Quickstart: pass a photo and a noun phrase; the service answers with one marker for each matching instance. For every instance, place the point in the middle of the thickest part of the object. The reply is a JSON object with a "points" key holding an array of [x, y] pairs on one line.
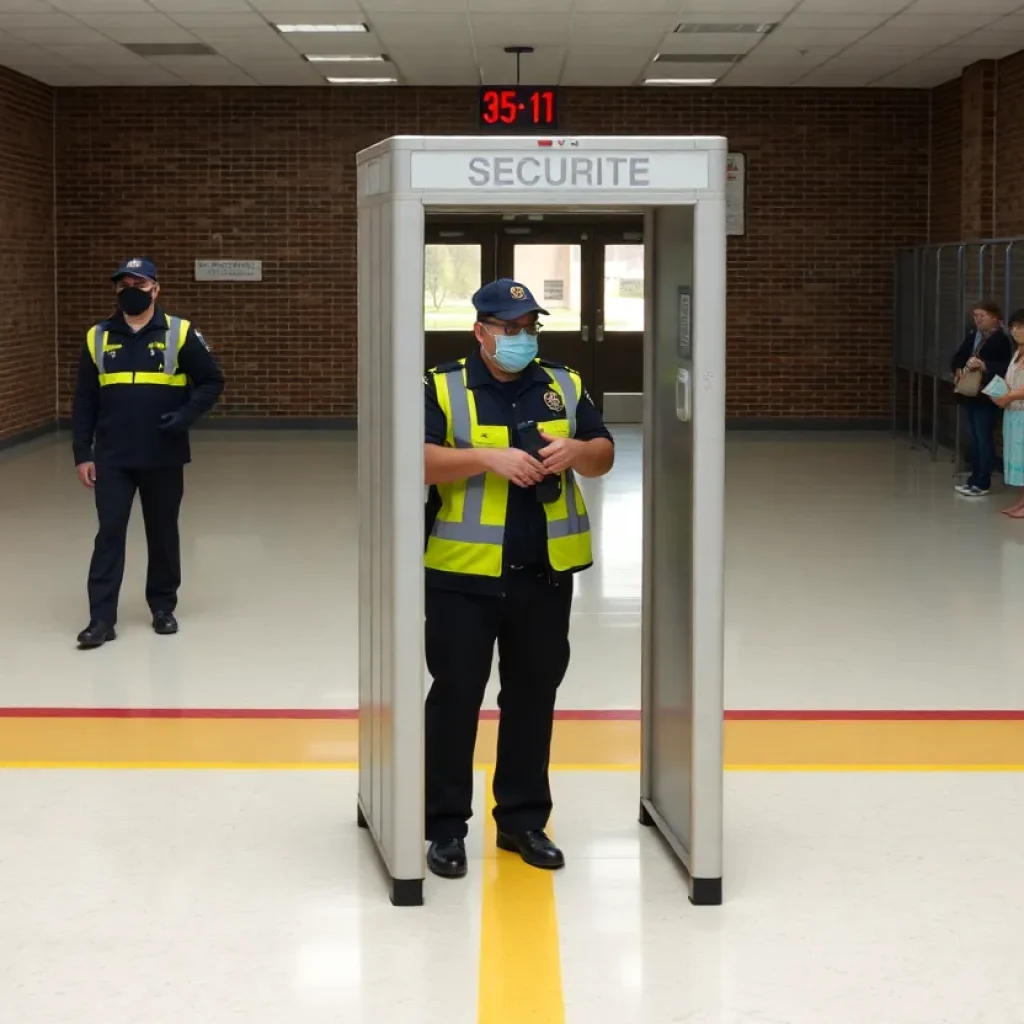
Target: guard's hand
{"points": [[87, 473], [516, 465], [173, 423], [974, 363], [560, 454]]}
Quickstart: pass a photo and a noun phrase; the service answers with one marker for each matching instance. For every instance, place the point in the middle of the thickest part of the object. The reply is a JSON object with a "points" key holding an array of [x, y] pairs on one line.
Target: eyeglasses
{"points": [[513, 328]]}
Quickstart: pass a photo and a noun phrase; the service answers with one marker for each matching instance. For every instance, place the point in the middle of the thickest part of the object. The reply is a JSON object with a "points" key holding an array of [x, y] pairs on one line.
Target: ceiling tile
{"points": [[512, 30], [780, 56], [860, 6], [937, 29], [438, 76], [11, 21], [138, 28], [422, 29], [980, 7], [25, 6], [301, 12], [199, 6], [737, 11], [521, 6], [911, 77], [279, 73], [637, 6], [372, 7], [768, 76], [710, 42], [77, 7], [820, 19], [266, 44], [606, 75], [227, 20], [610, 29], [802, 38], [838, 78]]}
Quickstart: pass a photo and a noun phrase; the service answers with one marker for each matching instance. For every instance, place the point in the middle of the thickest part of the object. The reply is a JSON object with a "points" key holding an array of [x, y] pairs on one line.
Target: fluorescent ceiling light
{"points": [[748, 28], [322, 28], [363, 81], [348, 58], [680, 81]]}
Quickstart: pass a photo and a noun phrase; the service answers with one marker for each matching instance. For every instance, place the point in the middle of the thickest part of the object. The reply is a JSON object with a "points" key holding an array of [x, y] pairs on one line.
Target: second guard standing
{"points": [[144, 377], [506, 436]]}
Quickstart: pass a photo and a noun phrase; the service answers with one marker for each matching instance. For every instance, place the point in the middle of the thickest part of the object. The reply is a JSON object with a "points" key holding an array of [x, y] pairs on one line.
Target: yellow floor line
{"points": [[520, 959], [351, 766]]}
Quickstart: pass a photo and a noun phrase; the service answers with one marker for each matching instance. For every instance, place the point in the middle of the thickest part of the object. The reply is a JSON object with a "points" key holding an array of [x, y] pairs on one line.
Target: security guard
{"points": [[144, 377], [506, 436]]}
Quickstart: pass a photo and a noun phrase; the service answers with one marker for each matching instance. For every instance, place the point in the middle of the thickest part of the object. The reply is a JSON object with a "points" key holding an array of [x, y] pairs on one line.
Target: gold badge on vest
{"points": [[553, 400]]}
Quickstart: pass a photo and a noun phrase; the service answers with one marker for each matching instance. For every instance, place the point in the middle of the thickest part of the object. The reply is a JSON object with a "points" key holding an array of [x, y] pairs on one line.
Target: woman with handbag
{"points": [[1012, 404], [984, 354]]}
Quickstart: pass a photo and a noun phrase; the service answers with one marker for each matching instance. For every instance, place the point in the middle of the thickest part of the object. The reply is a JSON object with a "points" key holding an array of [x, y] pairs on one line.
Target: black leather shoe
{"points": [[96, 634], [447, 858], [164, 623], [534, 847]]}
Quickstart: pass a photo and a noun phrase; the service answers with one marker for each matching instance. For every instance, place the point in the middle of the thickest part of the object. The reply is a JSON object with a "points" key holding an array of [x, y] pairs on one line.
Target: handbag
{"points": [[969, 383]]}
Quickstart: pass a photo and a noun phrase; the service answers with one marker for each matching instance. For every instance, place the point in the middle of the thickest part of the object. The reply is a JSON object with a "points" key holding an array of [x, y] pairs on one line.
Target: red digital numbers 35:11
{"points": [[512, 107]]}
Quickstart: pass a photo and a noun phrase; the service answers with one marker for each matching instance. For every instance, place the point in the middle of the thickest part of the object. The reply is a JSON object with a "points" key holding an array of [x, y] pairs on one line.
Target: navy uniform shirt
{"points": [[506, 404], [119, 425]]}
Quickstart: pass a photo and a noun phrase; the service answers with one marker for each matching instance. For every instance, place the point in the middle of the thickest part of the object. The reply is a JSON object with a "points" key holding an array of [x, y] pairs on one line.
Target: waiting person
{"points": [[984, 354], [1012, 404]]}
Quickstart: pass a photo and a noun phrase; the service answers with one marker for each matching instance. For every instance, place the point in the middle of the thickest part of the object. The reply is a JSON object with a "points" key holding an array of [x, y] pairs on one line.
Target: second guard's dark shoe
{"points": [[164, 623], [447, 858], [534, 847], [96, 634]]}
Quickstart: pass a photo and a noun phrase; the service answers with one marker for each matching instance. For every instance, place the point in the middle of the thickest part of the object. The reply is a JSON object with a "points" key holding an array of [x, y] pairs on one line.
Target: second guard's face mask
{"points": [[515, 352], [134, 301]]}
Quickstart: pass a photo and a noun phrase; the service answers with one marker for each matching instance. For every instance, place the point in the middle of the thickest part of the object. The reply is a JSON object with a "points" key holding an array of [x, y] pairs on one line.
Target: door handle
{"points": [[600, 334], [683, 410], [585, 333]]}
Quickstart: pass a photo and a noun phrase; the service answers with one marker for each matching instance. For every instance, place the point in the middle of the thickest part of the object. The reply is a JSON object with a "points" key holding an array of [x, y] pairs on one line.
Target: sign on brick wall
{"points": [[229, 270], [735, 194]]}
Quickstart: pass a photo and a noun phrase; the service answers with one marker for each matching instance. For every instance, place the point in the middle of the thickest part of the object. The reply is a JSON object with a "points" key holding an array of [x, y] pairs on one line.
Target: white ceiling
{"points": [[896, 43]]}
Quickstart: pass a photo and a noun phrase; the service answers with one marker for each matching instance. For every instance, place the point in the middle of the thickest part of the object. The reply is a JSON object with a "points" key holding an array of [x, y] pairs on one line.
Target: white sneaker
{"points": [[970, 491]]}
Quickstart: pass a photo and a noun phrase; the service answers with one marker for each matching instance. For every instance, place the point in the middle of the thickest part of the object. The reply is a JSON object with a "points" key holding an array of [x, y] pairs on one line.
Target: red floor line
{"points": [[579, 715]]}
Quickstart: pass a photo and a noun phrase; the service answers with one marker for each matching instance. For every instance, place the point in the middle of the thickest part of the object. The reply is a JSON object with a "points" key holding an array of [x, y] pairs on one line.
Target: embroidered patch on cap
{"points": [[516, 292]]}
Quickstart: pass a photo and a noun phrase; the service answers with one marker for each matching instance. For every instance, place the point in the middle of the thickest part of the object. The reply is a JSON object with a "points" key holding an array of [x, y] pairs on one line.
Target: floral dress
{"points": [[1013, 427]]}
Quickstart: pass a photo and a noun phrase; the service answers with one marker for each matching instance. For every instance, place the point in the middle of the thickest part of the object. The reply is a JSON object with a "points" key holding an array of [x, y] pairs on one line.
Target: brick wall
{"points": [[27, 362], [946, 155], [1009, 147], [836, 180]]}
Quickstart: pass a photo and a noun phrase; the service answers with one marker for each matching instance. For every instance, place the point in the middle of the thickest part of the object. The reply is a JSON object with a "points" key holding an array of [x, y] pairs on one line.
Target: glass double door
{"points": [[588, 275]]}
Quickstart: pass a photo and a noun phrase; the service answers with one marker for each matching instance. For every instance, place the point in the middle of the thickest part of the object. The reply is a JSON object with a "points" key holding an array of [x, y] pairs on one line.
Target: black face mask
{"points": [[134, 301]]}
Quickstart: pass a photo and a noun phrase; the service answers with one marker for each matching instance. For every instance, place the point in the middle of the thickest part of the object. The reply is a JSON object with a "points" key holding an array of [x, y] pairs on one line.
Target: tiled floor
{"points": [[857, 582]]}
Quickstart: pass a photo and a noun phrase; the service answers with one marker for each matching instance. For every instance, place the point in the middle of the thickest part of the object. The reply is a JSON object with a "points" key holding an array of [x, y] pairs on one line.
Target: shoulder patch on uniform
{"points": [[450, 367], [555, 366]]}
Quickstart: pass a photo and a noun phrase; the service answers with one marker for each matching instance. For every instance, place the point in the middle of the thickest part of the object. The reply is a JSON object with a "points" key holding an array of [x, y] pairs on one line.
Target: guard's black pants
{"points": [[531, 627], [160, 491]]}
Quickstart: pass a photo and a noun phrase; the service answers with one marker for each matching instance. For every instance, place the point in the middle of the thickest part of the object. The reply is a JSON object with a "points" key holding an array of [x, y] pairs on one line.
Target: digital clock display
{"points": [[518, 109]]}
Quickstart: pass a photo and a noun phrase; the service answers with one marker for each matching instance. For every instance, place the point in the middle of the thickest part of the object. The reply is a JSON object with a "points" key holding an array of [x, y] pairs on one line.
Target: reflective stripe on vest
{"points": [[462, 530], [174, 339]]}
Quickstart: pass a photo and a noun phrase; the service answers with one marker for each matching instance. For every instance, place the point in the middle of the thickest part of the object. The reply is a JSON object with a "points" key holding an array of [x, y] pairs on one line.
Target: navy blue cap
{"points": [[506, 299], [137, 267]]}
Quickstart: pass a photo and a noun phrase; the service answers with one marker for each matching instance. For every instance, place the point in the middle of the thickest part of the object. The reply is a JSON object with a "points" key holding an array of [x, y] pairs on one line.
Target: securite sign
{"points": [[550, 170]]}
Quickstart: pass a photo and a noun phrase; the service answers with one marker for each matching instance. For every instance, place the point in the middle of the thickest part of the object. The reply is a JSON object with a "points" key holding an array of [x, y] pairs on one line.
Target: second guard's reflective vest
{"points": [[469, 531], [172, 342]]}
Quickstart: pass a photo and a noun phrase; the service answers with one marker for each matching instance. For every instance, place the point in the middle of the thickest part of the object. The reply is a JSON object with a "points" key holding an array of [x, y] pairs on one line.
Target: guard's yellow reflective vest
{"points": [[469, 531], [173, 340]]}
